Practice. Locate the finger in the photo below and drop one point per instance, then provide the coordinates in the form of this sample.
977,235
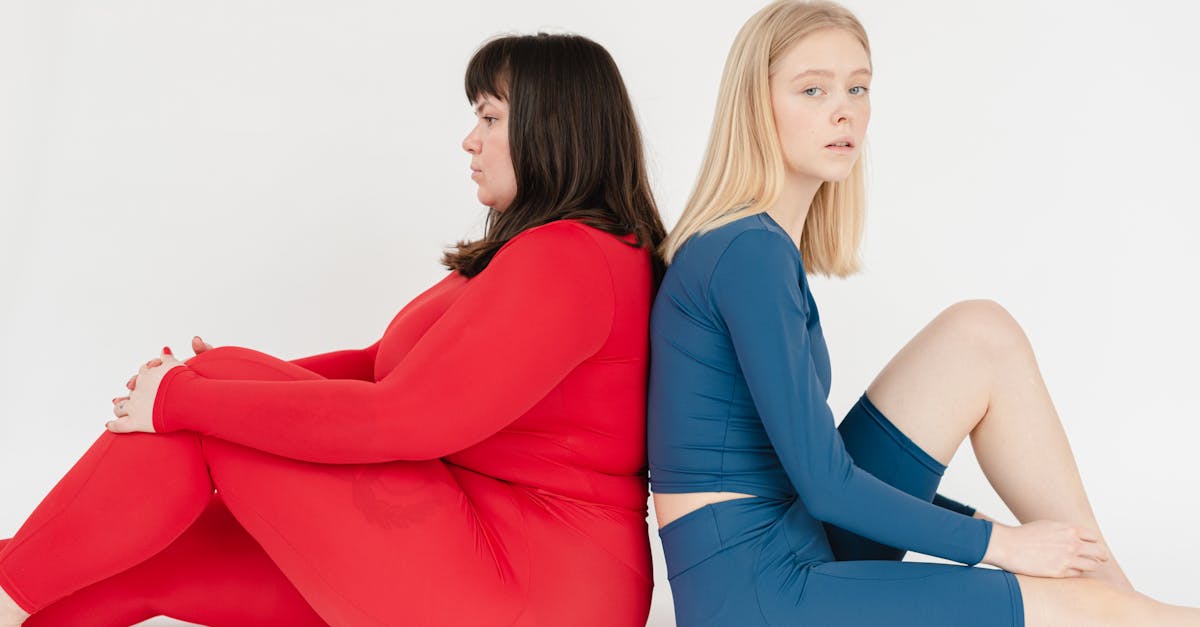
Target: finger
1084,564
1091,535
198,345
131,382
121,409
154,363
118,399
1095,550
167,350
118,426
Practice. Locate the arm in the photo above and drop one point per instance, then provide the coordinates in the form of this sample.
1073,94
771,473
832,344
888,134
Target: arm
544,305
355,363
755,287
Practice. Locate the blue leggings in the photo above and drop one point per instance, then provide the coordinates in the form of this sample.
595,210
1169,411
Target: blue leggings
764,561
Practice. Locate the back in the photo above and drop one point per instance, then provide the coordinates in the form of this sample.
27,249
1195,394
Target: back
704,432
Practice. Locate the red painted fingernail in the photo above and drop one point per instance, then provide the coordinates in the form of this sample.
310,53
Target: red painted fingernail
167,350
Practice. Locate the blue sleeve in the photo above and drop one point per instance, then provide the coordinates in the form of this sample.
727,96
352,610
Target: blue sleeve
755,288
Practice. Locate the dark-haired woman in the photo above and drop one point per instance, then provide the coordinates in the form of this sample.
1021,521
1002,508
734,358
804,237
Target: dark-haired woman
481,464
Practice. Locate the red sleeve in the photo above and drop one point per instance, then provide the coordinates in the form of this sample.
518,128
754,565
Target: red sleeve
544,304
355,363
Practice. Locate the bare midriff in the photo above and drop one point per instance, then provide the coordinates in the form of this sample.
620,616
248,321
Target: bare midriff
668,507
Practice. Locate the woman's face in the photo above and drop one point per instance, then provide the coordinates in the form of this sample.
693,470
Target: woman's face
491,165
819,96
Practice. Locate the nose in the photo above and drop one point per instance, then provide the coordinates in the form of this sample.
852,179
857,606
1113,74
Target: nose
841,113
844,111
471,142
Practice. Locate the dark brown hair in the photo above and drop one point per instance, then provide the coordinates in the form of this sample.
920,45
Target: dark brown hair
573,139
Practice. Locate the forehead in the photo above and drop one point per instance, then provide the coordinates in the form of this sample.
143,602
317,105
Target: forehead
489,101
831,49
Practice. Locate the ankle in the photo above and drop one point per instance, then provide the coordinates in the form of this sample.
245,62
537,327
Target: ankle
11,614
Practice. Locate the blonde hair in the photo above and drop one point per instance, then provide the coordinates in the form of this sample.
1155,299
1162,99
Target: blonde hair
743,169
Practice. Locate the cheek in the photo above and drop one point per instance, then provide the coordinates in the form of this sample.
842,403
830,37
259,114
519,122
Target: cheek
795,130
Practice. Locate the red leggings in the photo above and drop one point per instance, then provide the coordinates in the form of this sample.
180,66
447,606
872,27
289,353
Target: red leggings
133,530
214,574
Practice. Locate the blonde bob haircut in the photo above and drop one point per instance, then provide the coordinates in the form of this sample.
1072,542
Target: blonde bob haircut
743,169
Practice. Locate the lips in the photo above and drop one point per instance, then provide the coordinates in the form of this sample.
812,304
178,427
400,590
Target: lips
847,142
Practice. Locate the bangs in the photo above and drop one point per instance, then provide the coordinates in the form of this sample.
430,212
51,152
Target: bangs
488,72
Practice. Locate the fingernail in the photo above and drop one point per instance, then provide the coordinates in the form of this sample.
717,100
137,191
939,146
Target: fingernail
167,350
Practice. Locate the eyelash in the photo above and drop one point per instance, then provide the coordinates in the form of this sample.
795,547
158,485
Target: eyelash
490,120
862,87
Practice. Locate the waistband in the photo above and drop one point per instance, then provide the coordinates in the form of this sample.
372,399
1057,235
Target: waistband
702,533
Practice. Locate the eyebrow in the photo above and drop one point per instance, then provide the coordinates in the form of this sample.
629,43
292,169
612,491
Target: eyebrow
482,103
828,73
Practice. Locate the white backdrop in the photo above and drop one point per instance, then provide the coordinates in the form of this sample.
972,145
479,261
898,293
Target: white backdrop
284,175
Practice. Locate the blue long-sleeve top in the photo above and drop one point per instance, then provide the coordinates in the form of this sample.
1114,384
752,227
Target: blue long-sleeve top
739,388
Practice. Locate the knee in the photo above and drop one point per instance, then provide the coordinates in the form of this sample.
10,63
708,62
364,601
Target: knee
236,362
220,353
986,323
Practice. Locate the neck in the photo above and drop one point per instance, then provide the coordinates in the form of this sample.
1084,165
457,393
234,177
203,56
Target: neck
791,208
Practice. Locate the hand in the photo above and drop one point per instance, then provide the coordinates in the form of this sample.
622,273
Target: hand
135,413
1046,548
199,345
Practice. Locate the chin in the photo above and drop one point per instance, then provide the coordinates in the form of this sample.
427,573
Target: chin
837,177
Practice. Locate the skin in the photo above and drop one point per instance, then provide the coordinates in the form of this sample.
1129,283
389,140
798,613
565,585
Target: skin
491,163
491,169
970,372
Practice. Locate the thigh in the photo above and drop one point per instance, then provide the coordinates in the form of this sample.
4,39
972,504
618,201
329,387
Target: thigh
938,385
880,448
406,542
213,574
903,594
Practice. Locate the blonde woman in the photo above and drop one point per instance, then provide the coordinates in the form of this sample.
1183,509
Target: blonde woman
768,514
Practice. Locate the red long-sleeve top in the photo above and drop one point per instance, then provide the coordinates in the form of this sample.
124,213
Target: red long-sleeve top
533,371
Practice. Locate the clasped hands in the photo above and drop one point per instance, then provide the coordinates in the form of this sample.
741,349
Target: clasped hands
135,412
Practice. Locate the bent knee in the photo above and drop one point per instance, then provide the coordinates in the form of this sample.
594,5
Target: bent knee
237,362
987,323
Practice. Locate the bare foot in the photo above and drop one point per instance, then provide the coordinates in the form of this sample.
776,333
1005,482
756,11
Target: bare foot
11,614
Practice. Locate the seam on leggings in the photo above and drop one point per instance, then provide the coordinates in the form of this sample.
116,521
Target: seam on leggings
1015,598
17,595
11,547
905,442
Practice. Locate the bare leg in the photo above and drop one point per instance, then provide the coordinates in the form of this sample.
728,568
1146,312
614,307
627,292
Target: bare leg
972,371
10,612
1082,602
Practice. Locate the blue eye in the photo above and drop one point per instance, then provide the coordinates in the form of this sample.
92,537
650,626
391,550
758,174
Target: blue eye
864,89
810,89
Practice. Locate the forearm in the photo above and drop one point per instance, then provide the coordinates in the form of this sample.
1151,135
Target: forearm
342,364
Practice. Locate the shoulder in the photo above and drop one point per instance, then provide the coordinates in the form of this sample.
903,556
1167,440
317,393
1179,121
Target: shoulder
560,240
747,244
561,253
759,248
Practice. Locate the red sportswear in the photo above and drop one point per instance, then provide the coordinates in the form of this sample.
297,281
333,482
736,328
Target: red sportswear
483,463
